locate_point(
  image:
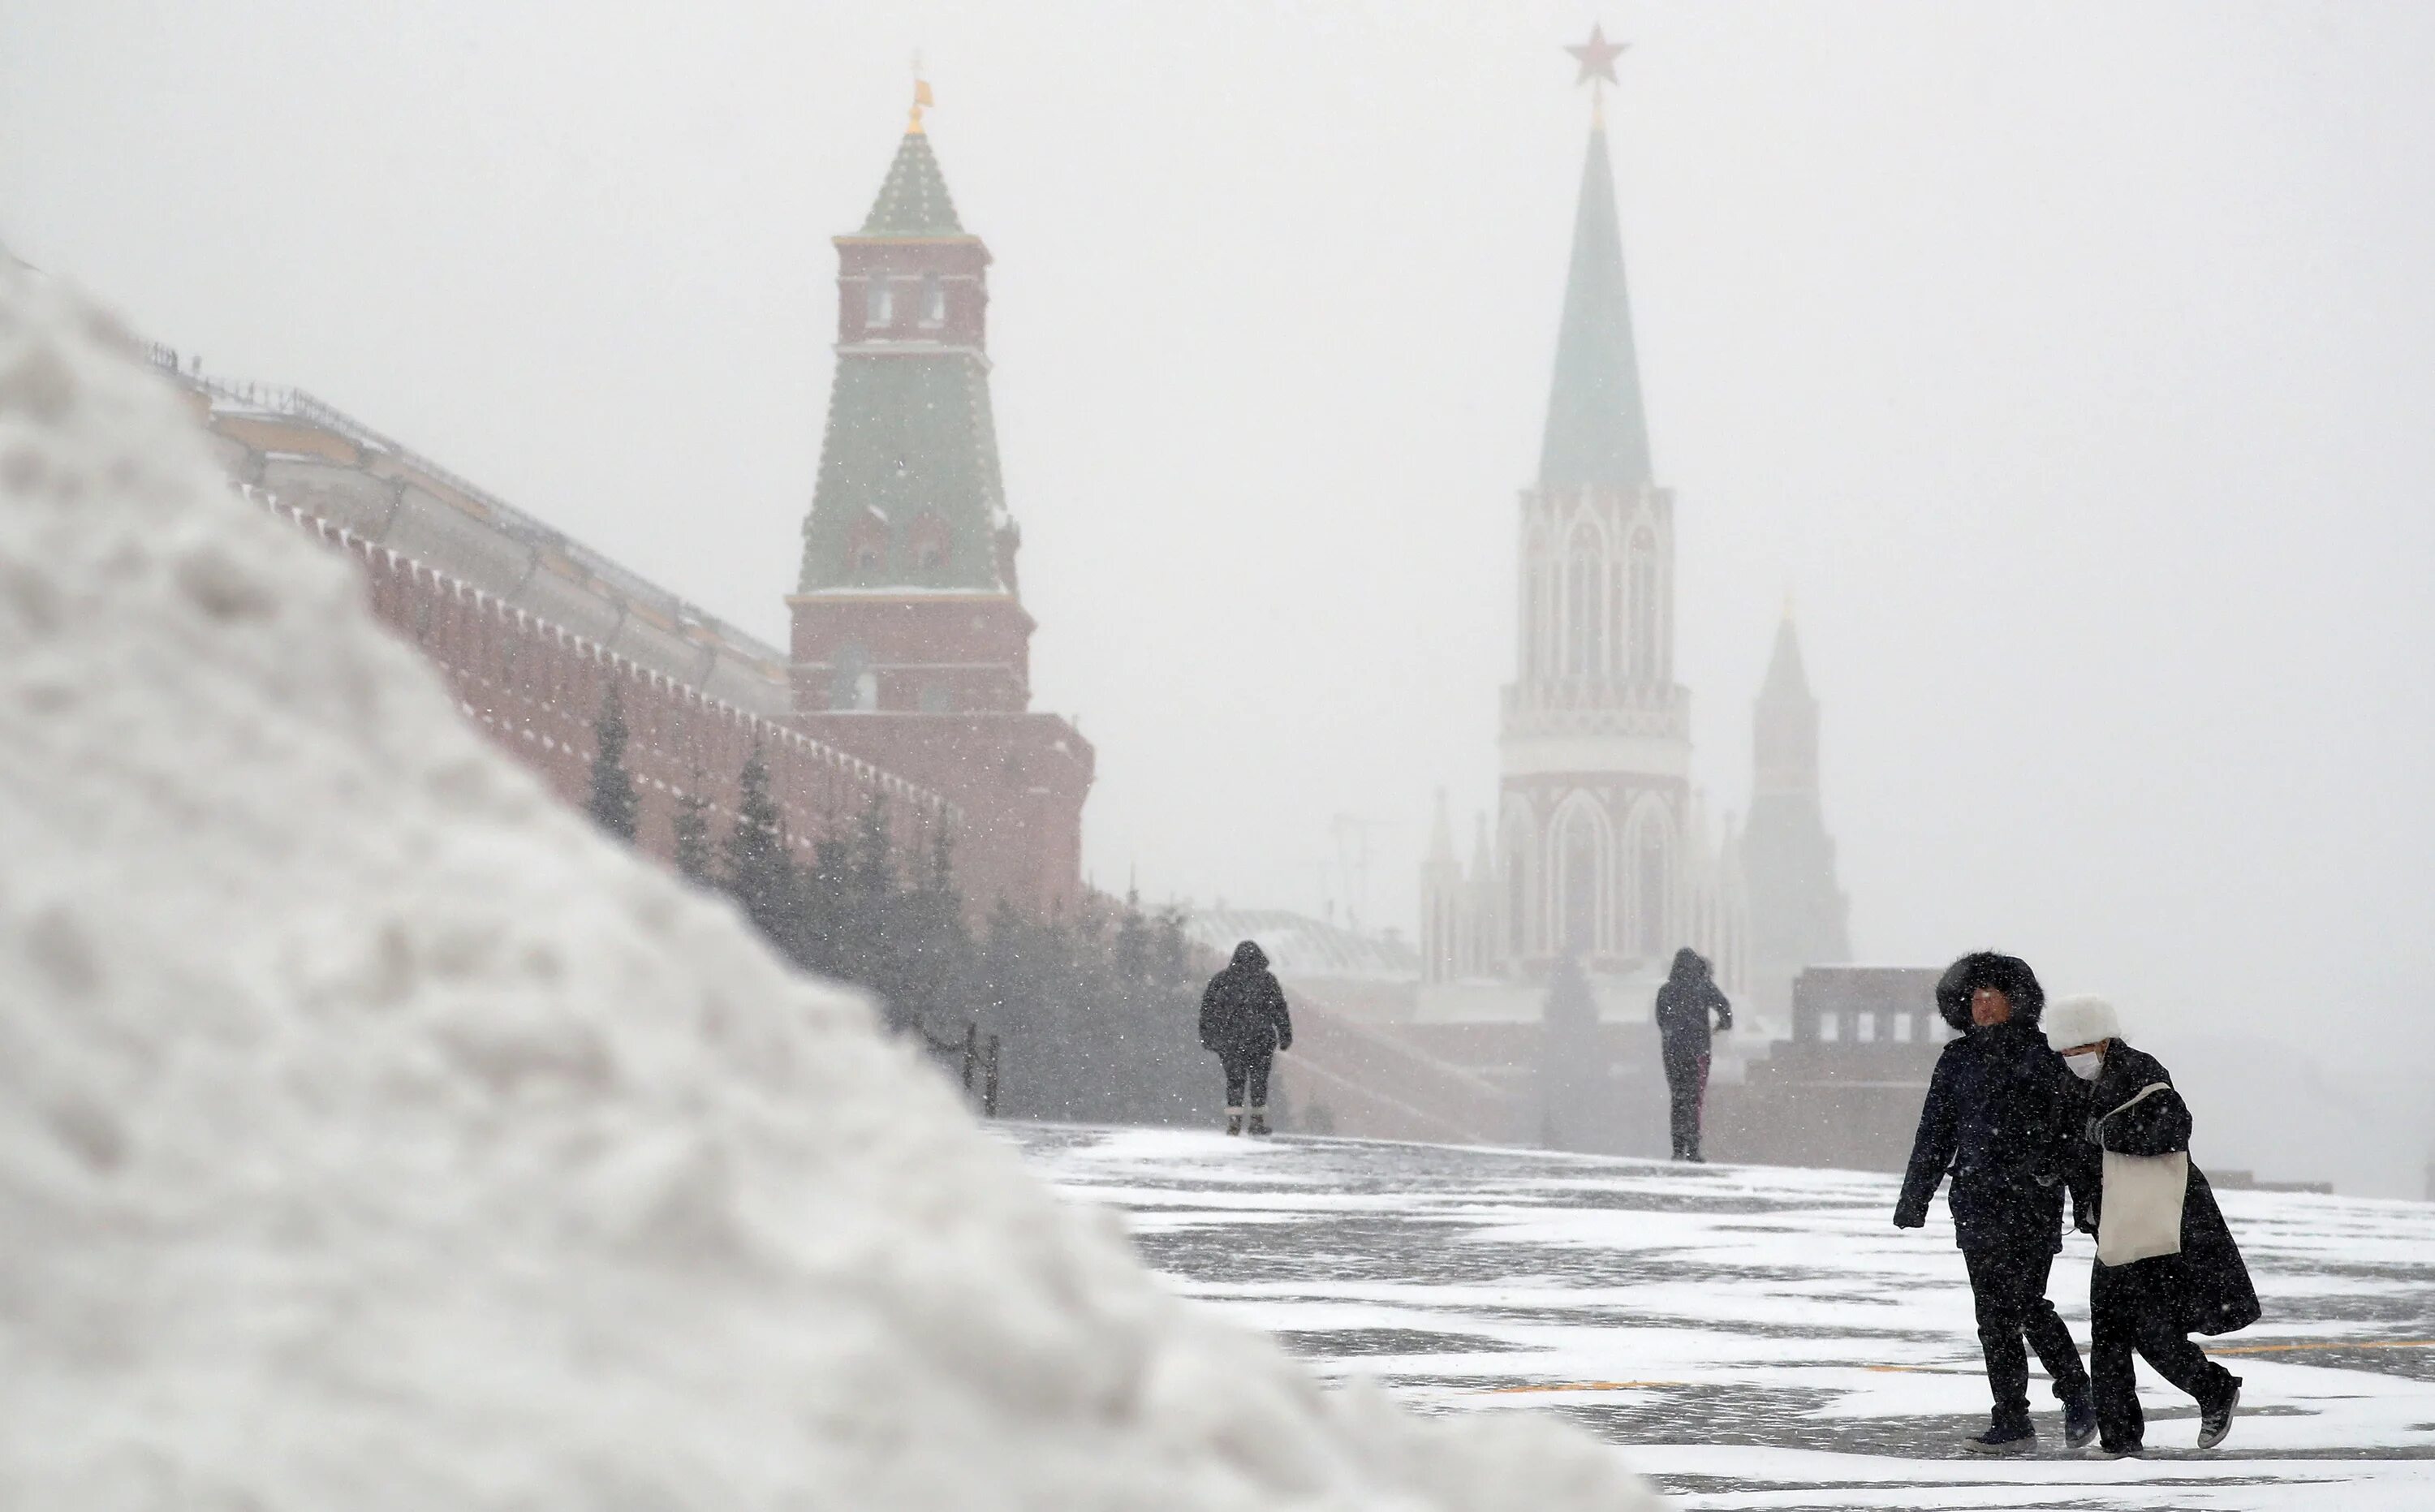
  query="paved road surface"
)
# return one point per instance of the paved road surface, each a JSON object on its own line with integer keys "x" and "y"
{"x": 1761, "y": 1338}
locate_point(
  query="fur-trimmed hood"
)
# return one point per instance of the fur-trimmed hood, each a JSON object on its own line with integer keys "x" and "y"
{"x": 2008, "y": 974}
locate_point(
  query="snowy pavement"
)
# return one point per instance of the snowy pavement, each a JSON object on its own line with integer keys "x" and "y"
{"x": 1763, "y": 1337}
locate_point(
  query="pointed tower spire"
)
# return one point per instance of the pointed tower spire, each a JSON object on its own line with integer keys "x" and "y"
{"x": 906, "y": 605}
{"x": 1596, "y": 431}
{"x": 1798, "y": 912}
{"x": 914, "y": 200}
{"x": 1788, "y": 680}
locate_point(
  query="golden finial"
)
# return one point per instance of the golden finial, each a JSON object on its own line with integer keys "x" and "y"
{"x": 921, "y": 97}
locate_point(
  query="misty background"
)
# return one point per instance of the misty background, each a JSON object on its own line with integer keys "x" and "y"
{"x": 2069, "y": 365}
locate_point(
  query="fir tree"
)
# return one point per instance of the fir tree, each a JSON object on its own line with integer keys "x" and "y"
{"x": 1132, "y": 941}
{"x": 758, "y": 871}
{"x": 827, "y": 922}
{"x": 690, "y": 822}
{"x": 613, "y": 804}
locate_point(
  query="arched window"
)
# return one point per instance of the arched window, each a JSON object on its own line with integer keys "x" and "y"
{"x": 1584, "y": 609}
{"x": 934, "y": 300}
{"x": 1653, "y": 871}
{"x": 1577, "y": 617}
{"x": 878, "y": 303}
{"x": 1646, "y": 613}
{"x": 1580, "y": 886}
{"x": 1517, "y": 896}
{"x": 865, "y": 547}
{"x": 930, "y": 542}
{"x": 848, "y": 674}
{"x": 1542, "y": 610}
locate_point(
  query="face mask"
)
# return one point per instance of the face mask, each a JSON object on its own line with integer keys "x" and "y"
{"x": 2085, "y": 1064}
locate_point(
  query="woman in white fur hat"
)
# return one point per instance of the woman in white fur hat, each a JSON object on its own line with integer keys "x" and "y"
{"x": 2167, "y": 1265}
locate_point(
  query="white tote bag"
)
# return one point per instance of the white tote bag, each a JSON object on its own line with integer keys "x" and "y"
{"x": 2139, "y": 1215}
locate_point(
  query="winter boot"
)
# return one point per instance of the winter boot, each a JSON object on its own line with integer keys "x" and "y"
{"x": 1260, "y": 1122}
{"x": 1233, "y": 1120}
{"x": 2079, "y": 1419}
{"x": 2003, "y": 1438}
{"x": 2216, "y": 1422}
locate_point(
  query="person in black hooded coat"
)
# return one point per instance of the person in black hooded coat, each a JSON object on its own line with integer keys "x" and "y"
{"x": 1684, "y": 1004}
{"x": 1999, "y": 1119}
{"x": 2151, "y": 1306}
{"x": 1243, "y": 1017}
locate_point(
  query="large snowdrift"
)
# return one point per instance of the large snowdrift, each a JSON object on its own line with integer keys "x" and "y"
{"x": 375, "y": 1135}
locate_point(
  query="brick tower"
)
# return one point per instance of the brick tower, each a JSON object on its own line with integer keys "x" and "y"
{"x": 1595, "y": 825}
{"x": 1600, "y": 849}
{"x": 911, "y": 644}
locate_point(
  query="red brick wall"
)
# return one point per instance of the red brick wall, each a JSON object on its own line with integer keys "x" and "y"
{"x": 1016, "y": 780}
{"x": 535, "y": 690}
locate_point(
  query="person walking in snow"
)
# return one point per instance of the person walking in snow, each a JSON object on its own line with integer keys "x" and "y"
{"x": 1689, "y": 995}
{"x": 1243, "y": 1018}
{"x": 2166, "y": 1266}
{"x": 1999, "y": 1120}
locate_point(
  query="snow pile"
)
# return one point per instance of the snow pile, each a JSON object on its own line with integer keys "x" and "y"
{"x": 374, "y": 1135}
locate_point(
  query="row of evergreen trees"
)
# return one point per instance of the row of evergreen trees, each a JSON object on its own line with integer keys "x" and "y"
{"x": 1095, "y": 1015}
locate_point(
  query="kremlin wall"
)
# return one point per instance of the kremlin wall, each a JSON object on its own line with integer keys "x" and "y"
{"x": 908, "y": 681}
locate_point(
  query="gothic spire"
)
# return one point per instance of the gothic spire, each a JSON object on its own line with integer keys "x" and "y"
{"x": 1596, "y": 434}
{"x": 1788, "y": 682}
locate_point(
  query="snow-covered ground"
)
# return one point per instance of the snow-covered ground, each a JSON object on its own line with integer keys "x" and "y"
{"x": 1764, "y": 1337}
{"x": 377, "y": 1135}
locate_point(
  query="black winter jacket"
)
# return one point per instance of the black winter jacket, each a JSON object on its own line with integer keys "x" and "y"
{"x": 1684, "y": 1004}
{"x": 1998, "y": 1118}
{"x": 2207, "y": 1281}
{"x": 1243, "y": 1009}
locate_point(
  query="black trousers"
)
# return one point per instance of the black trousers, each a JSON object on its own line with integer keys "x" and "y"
{"x": 2138, "y": 1307}
{"x": 1686, "y": 1082}
{"x": 1246, "y": 1070}
{"x": 2008, "y": 1285}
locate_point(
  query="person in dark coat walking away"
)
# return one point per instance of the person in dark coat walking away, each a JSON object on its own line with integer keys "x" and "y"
{"x": 2153, "y": 1305}
{"x": 1243, "y": 1018}
{"x": 1999, "y": 1119}
{"x": 1684, "y": 1004}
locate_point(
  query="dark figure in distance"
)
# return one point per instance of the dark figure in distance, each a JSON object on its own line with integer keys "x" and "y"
{"x": 1243, "y": 1018}
{"x": 2001, "y": 1119}
{"x": 2151, "y": 1305}
{"x": 1684, "y": 1004}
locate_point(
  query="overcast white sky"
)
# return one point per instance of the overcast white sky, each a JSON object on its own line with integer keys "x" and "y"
{"x": 2074, "y": 365}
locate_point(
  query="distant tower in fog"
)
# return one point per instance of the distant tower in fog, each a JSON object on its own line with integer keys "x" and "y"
{"x": 1798, "y": 914}
{"x": 1457, "y": 905}
{"x": 1599, "y": 854}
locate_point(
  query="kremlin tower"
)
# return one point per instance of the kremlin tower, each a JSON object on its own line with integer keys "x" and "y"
{"x": 911, "y": 646}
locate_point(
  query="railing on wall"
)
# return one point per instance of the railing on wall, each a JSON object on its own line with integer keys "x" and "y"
{"x": 297, "y": 404}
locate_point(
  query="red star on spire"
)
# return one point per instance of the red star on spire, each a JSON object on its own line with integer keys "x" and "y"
{"x": 1597, "y": 55}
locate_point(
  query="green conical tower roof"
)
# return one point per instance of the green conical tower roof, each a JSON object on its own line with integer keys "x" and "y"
{"x": 914, "y": 200}
{"x": 910, "y": 496}
{"x": 1597, "y": 433}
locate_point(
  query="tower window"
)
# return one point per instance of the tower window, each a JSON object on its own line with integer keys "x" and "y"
{"x": 934, "y": 300}
{"x": 930, "y": 544}
{"x": 866, "y": 548}
{"x": 1647, "y": 665}
{"x": 878, "y": 301}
